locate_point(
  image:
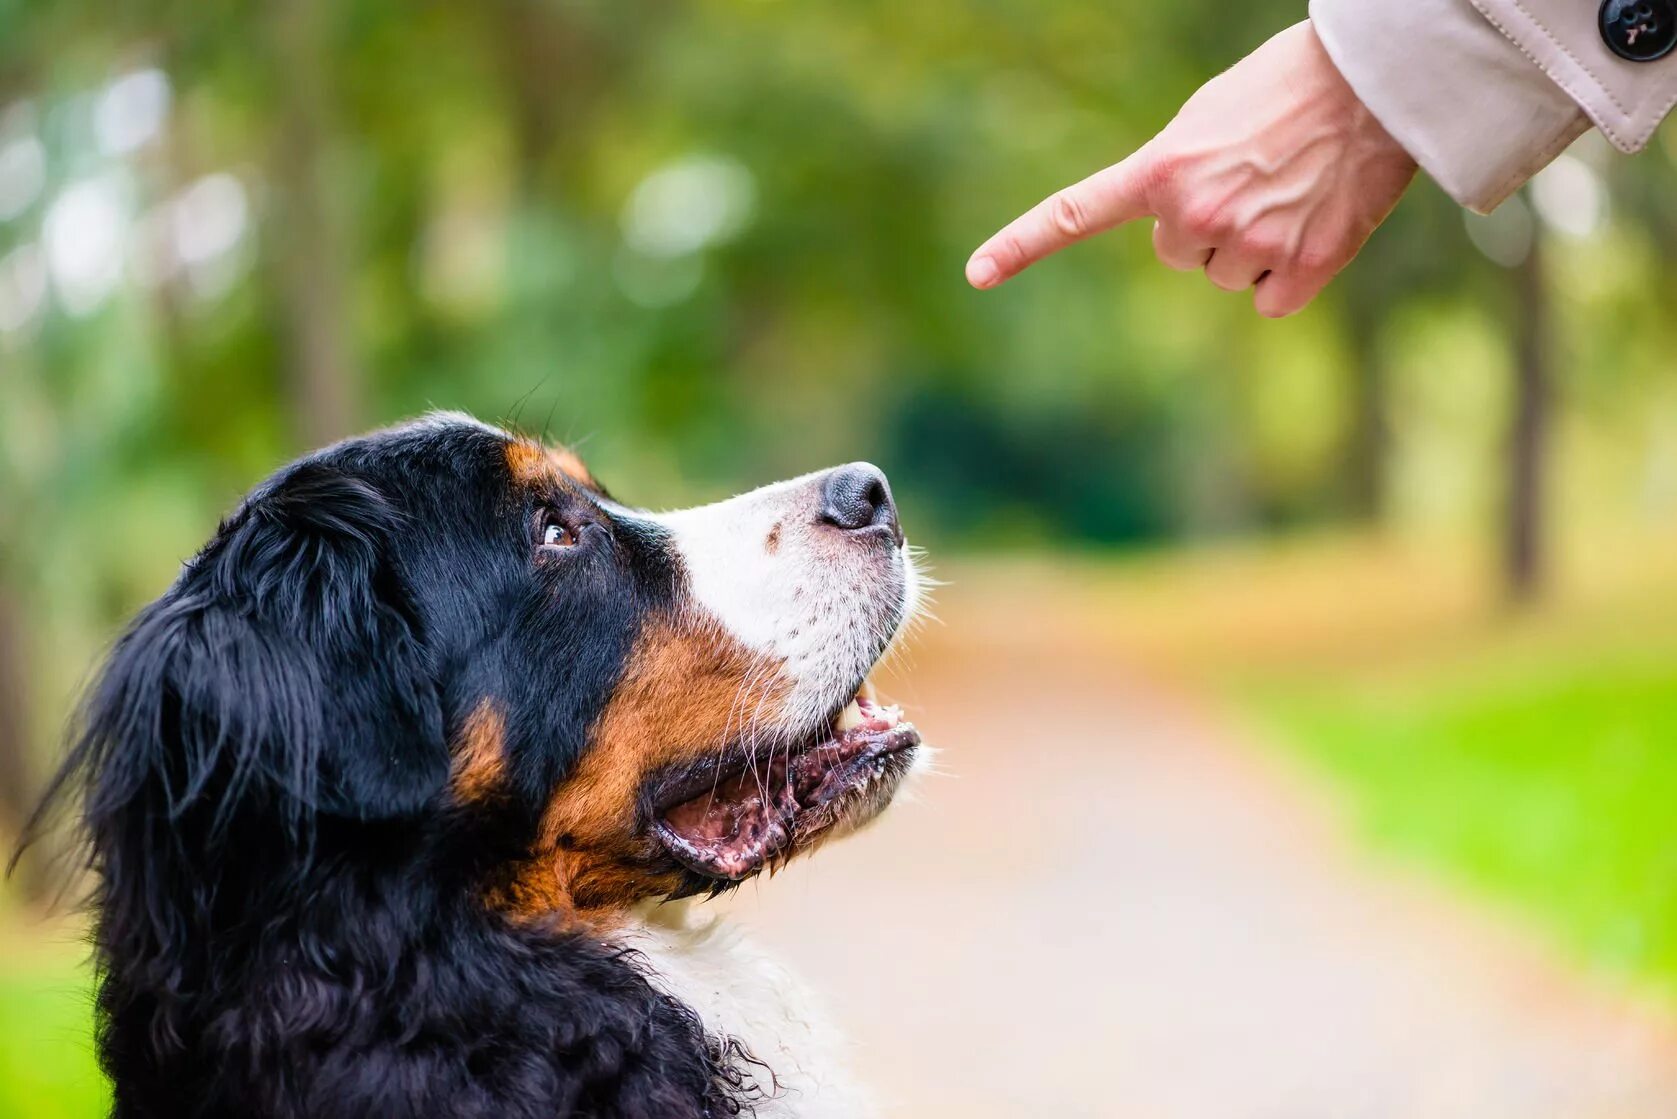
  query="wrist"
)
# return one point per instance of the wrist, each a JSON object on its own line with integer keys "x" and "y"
{"x": 1364, "y": 130}
{"x": 1460, "y": 99}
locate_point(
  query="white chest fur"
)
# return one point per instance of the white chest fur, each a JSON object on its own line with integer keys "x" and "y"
{"x": 739, "y": 992}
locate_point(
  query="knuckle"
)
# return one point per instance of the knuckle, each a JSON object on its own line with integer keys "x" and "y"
{"x": 1172, "y": 254}
{"x": 1067, "y": 215}
{"x": 1010, "y": 253}
{"x": 1163, "y": 172}
{"x": 1277, "y": 299}
{"x": 1204, "y": 221}
{"x": 1260, "y": 246}
{"x": 1315, "y": 262}
{"x": 1225, "y": 283}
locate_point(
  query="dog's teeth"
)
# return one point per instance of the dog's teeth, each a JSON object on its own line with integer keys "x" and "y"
{"x": 850, "y": 717}
{"x": 866, "y": 692}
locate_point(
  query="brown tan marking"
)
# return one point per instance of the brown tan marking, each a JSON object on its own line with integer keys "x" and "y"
{"x": 480, "y": 755}
{"x": 683, "y": 696}
{"x": 531, "y": 462}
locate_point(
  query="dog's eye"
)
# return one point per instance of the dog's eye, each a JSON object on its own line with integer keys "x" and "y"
{"x": 556, "y": 535}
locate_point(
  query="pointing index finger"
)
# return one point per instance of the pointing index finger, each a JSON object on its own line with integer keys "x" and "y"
{"x": 1106, "y": 199}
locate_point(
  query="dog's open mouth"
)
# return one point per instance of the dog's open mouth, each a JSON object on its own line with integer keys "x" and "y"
{"x": 739, "y": 814}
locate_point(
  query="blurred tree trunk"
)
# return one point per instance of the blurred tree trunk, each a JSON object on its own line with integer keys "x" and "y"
{"x": 17, "y": 788}
{"x": 556, "y": 73}
{"x": 1524, "y": 554}
{"x": 560, "y": 69}
{"x": 1370, "y": 435}
{"x": 535, "y": 62}
{"x": 308, "y": 246}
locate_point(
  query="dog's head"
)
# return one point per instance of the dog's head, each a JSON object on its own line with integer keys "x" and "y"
{"x": 443, "y": 630}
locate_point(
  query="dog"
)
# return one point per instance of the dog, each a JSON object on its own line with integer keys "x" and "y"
{"x": 399, "y": 801}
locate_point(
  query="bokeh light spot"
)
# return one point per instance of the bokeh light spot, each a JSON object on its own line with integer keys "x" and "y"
{"x": 130, "y": 111}
{"x": 687, "y": 205}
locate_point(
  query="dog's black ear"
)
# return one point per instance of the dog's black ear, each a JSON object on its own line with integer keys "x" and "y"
{"x": 283, "y": 670}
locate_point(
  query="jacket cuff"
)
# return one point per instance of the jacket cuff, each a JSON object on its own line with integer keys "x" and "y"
{"x": 1626, "y": 100}
{"x": 1478, "y": 115}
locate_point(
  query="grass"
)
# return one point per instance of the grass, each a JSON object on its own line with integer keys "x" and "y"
{"x": 1530, "y": 757}
{"x": 1548, "y": 783}
{"x": 47, "y": 1070}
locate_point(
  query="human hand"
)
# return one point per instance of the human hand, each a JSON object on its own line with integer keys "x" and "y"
{"x": 1273, "y": 175}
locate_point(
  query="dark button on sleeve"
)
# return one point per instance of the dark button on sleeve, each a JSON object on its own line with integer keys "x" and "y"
{"x": 1640, "y": 30}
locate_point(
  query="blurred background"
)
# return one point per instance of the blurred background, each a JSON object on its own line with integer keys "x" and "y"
{"x": 1307, "y": 690}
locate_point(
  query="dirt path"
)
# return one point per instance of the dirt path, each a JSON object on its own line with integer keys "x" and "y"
{"x": 1109, "y": 908}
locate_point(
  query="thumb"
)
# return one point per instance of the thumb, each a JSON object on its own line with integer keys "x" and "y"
{"x": 1104, "y": 200}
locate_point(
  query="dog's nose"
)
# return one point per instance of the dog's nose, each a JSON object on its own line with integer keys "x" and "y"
{"x": 857, "y": 497}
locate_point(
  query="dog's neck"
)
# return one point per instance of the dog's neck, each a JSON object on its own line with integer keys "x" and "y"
{"x": 739, "y": 992}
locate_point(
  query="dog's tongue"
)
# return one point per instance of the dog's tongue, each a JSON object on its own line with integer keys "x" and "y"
{"x": 731, "y": 830}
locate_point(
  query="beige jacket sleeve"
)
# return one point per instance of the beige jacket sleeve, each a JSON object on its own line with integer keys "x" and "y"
{"x": 1484, "y": 93}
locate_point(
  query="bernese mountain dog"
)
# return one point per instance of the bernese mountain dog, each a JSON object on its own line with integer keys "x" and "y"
{"x": 399, "y": 800}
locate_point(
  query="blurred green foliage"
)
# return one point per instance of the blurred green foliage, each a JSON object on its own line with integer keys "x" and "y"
{"x": 721, "y": 241}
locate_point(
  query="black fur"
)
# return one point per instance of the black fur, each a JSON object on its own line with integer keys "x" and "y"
{"x": 288, "y": 920}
